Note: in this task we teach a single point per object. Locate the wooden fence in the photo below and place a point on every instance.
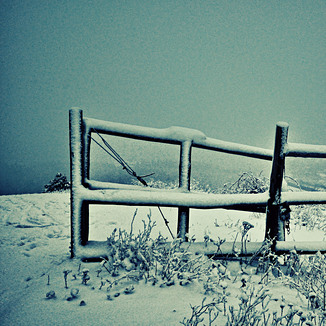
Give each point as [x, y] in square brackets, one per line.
[275, 203]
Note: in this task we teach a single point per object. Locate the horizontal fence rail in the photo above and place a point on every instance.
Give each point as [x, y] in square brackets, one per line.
[85, 191]
[304, 150]
[176, 135]
[173, 199]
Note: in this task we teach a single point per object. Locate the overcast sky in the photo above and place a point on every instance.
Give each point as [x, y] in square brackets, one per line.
[231, 69]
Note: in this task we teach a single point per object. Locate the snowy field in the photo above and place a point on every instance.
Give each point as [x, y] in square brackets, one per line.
[35, 237]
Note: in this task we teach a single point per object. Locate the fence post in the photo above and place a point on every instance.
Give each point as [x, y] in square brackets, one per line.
[274, 223]
[184, 183]
[78, 207]
[87, 146]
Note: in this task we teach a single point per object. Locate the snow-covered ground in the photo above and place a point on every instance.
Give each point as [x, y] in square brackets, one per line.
[35, 236]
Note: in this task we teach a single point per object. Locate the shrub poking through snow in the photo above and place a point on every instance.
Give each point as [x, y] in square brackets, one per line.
[307, 274]
[247, 183]
[85, 276]
[65, 275]
[252, 310]
[50, 295]
[128, 251]
[248, 313]
[198, 313]
[74, 293]
[133, 258]
[308, 277]
[310, 216]
[246, 226]
[129, 290]
[136, 257]
[59, 183]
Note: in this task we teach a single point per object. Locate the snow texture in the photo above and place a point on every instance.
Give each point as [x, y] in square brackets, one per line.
[177, 135]
[129, 195]
[305, 150]
[170, 135]
[35, 243]
[234, 148]
[172, 198]
[304, 197]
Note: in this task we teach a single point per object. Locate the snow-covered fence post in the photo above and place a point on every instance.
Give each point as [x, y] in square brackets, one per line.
[184, 183]
[79, 208]
[85, 191]
[274, 222]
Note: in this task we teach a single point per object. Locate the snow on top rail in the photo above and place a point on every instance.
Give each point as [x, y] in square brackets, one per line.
[304, 197]
[85, 191]
[176, 135]
[305, 150]
[172, 198]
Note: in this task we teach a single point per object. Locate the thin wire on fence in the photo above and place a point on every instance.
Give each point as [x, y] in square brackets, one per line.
[114, 154]
[273, 202]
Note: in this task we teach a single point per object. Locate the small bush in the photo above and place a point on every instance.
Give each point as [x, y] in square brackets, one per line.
[247, 183]
[156, 261]
[308, 277]
[59, 183]
[310, 216]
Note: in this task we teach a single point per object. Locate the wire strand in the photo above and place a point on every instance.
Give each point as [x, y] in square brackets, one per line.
[114, 154]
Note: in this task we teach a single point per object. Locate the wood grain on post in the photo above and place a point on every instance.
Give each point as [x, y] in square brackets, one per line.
[79, 208]
[274, 224]
[184, 183]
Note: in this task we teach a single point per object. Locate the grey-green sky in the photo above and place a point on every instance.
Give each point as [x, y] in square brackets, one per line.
[231, 69]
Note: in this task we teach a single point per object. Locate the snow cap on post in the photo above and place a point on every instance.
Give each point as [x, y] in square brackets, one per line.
[282, 124]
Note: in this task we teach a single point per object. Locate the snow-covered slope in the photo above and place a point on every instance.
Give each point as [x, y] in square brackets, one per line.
[34, 245]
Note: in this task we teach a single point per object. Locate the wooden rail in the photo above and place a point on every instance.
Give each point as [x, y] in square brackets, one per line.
[85, 191]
